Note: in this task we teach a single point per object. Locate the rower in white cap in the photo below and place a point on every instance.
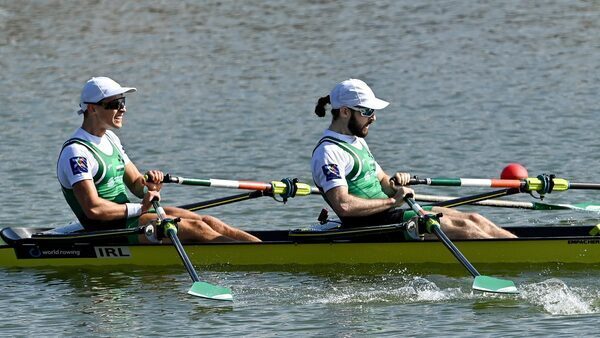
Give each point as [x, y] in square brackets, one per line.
[354, 184]
[95, 173]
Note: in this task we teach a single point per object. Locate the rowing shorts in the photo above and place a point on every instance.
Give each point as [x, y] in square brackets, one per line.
[391, 216]
[115, 224]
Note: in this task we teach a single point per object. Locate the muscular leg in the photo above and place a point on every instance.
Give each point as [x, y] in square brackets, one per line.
[188, 231]
[214, 223]
[461, 225]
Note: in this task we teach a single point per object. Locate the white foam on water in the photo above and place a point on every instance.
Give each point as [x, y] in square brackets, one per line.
[412, 289]
[557, 298]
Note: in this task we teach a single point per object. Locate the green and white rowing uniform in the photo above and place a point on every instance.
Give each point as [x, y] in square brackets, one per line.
[346, 160]
[101, 159]
[343, 160]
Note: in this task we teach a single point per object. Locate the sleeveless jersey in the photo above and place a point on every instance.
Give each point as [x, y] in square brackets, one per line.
[362, 180]
[108, 180]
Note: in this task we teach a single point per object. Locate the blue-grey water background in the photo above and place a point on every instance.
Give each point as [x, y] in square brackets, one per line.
[226, 89]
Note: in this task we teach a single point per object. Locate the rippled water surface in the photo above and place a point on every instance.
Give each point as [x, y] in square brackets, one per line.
[226, 90]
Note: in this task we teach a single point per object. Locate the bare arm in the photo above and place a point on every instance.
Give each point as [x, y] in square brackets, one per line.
[100, 209]
[346, 205]
[136, 182]
[95, 207]
[384, 179]
[390, 188]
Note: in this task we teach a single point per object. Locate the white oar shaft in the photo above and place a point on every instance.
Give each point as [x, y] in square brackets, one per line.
[491, 203]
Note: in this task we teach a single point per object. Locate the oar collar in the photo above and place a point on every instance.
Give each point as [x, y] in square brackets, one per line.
[544, 184]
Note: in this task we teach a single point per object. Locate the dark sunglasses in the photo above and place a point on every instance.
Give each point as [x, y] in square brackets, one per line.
[116, 104]
[366, 112]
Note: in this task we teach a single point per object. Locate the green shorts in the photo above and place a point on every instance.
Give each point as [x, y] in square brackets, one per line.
[134, 223]
[130, 224]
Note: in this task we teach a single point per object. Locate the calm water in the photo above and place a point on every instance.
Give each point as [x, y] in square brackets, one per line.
[226, 90]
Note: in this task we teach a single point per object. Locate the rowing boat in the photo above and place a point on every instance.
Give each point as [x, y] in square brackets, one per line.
[325, 244]
[371, 245]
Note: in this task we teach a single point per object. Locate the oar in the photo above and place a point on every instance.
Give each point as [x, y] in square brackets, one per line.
[480, 283]
[275, 187]
[546, 184]
[589, 206]
[223, 200]
[446, 201]
[199, 288]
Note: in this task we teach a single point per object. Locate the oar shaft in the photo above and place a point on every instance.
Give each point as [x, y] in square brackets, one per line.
[589, 206]
[468, 182]
[442, 236]
[476, 198]
[223, 200]
[276, 187]
[548, 184]
[211, 182]
[487, 203]
[171, 232]
[589, 186]
[437, 230]
[186, 260]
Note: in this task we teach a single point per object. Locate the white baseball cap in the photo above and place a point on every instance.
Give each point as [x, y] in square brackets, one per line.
[354, 92]
[99, 88]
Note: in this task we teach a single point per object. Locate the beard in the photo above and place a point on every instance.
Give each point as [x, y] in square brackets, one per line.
[357, 129]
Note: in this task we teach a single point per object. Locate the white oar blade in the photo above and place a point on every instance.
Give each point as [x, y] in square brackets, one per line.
[206, 290]
[495, 285]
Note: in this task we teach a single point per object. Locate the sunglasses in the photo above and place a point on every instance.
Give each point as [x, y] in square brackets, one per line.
[366, 112]
[116, 104]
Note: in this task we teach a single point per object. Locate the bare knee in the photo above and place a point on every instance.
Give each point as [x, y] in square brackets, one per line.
[463, 228]
[195, 230]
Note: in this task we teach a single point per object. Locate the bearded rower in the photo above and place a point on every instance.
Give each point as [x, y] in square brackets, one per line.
[354, 184]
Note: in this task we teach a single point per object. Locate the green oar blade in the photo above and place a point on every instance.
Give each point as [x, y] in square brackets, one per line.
[206, 290]
[588, 206]
[496, 285]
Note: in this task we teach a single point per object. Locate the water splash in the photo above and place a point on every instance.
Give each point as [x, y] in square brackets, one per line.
[408, 289]
[557, 298]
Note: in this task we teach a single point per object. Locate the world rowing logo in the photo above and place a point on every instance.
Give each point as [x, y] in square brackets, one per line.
[35, 252]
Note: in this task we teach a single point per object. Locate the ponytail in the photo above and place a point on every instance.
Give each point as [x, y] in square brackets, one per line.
[320, 108]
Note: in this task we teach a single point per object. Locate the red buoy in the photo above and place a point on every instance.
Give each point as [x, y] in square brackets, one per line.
[514, 171]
